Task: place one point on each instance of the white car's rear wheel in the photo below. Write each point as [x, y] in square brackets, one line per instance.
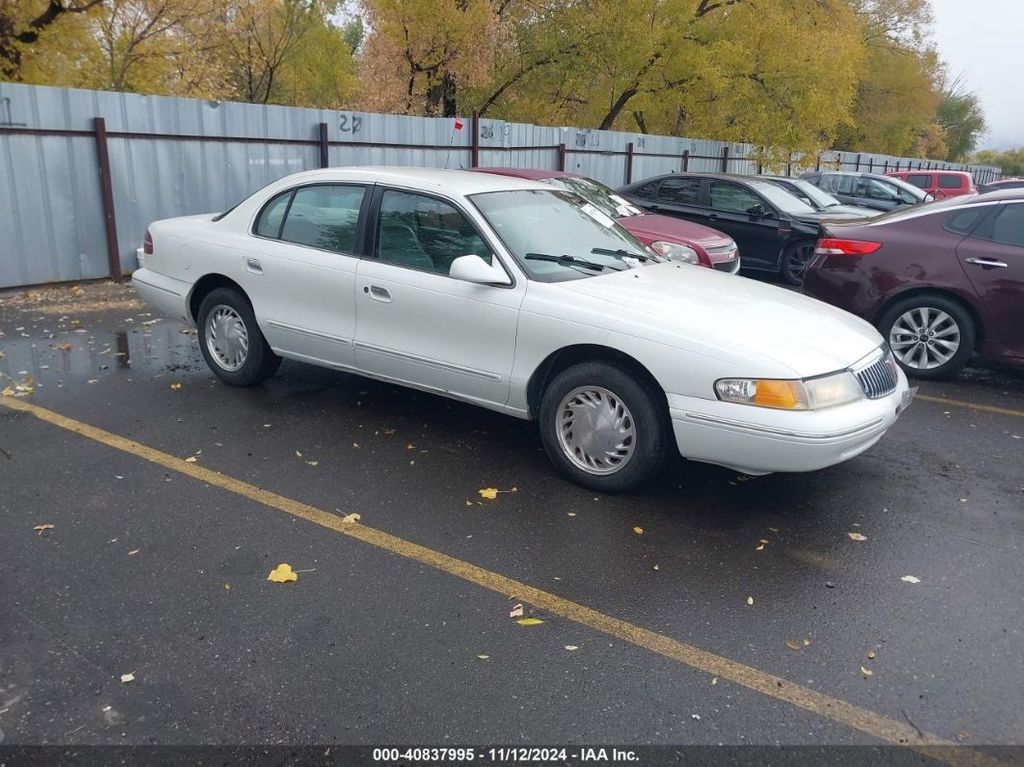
[231, 341]
[603, 428]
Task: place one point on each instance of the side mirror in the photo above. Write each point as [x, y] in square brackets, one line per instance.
[474, 269]
[757, 211]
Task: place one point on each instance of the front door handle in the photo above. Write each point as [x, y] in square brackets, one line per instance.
[988, 263]
[377, 293]
[253, 266]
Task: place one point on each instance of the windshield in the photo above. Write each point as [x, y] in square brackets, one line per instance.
[819, 197]
[558, 235]
[907, 192]
[781, 199]
[597, 194]
[927, 208]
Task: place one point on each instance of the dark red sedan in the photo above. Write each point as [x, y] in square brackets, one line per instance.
[941, 282]
[669, 237]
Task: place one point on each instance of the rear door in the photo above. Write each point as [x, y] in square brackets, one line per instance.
[681, 196]
[993, 258]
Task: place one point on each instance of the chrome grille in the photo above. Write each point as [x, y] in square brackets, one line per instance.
[719, 249]
[878, 378]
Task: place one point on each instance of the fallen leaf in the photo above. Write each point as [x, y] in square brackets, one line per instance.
[516, 612]
[312, 463]
[910, 579]
[529, 621]
[638, 530]
[65, 347]
[227, 587]
[656, 567]
[133, 552]
[298, 454]
[175, 386]
[42, 528]
[93, 380]
[571, 647]
[351, 518]
[871, 655]
[792, 645]
[410, 446]
[483, 657]
[774, 529]
[760, 548]
[857, 537]
[714, 681]
[283, 573]
[387, 432]
[490, 493]
[570, 513]
[191, 459]
[126, 678]
[355, 445]
[750, 600]
[807, 642]
[866, 671]
[695, 717]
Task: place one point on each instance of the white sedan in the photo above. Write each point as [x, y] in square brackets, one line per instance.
[521, 298]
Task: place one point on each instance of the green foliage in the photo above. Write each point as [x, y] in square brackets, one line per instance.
[959, 113]
[1011, 161]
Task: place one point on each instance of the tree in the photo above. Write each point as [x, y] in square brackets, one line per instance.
[960, 115]
[23, 21]
[1011, 161]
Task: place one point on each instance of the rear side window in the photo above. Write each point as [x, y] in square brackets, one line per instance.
[732, 198]
[269, 222]
[647, 191]
[920, 180]
[947, 181]
[964, 221]
[325, 217]
[682, 191]
[1008, 225]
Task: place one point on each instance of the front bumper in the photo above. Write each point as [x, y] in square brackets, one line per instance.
[166, 294]
[757, 440]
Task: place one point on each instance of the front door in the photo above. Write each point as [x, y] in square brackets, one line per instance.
[414, 323]
[758, 237]
[993, 258]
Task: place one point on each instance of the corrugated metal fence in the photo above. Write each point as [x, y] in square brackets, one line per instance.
[83, 172]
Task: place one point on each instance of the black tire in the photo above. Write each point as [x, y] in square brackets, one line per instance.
[652, 433]
[259, 361]
[795, 260]
[959, 316]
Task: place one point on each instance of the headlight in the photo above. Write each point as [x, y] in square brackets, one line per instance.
[673, 251]
[810, 394]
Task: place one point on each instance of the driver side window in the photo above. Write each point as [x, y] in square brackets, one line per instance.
[732, 198]
[423, 232]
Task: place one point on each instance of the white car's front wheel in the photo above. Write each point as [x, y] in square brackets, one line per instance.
[603, 428]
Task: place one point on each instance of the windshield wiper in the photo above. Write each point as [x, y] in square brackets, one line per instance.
[571, 261]
[620, 252]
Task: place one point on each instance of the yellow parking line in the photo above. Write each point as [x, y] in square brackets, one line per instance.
[858, 718]
[971, 405]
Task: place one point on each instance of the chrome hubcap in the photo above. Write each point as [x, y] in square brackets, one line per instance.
[924, 338]
[227, 338]
[596, 430]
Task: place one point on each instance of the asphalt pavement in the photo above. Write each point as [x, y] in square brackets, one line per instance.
[872, 602]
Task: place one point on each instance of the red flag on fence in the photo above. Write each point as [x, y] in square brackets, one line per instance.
[458, 123]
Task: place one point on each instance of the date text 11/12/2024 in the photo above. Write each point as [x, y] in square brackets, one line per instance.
[504, 754]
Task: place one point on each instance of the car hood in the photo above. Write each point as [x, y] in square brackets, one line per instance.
[848, 211]
[651, 227]
[731, 317]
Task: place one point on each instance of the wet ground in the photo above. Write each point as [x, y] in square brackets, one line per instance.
[152, 572]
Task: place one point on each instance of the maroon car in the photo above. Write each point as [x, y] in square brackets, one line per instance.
[941, 282]
[669, 237]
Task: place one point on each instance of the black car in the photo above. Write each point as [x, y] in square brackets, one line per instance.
[774, 230]
[869, 190]
[819, 199]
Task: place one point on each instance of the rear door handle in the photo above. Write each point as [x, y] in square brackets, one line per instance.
[377, 293]
[989, 263]
[253, 266]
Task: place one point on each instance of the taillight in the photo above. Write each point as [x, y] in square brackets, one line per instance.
[833, 247]
[147, 244]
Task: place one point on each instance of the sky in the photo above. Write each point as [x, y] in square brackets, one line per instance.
[982, 40]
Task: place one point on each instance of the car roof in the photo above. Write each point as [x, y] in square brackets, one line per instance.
[452, 181]
[1000, 194]
[528, 173]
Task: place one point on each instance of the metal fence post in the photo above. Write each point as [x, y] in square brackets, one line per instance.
[817, 163]
[725, 159]
[629, 163]
[107, 192]
[686, 160]
[561, 156]
[858, 163]
[325, 160]
[474, 148]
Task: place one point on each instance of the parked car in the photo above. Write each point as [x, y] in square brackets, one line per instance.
[774, 230]
[941, 282]
[678, 240]
[868, 190]
[511, 295]
[998, 186]
[819, 199]
[940, 184]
